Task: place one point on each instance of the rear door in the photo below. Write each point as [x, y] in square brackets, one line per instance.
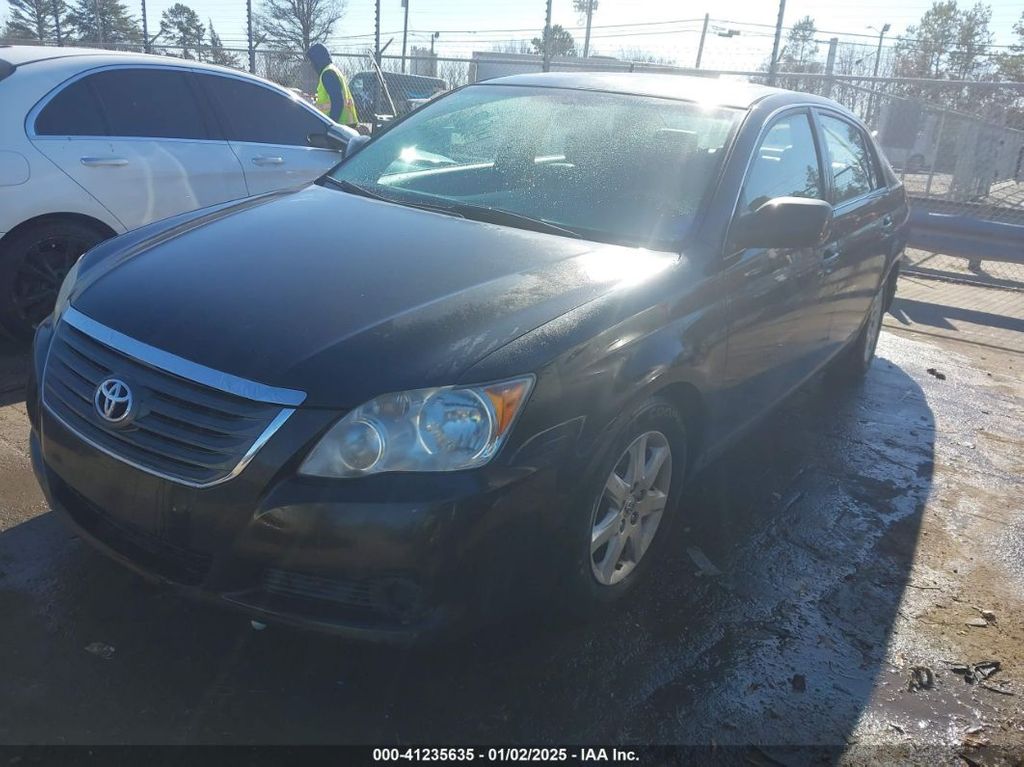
[138, 140]
[854, 258]
[779, 327]
[269, 132]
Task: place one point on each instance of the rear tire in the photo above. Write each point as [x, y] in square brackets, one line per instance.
[33, 263]
[855, 361]
[618, 527]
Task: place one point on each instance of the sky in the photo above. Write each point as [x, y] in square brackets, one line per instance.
[618, 24]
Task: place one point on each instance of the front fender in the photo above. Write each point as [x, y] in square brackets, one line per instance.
[602, 359]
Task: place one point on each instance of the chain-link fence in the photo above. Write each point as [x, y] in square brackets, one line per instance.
[958, 145]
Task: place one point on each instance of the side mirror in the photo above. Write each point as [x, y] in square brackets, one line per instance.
[784, 222]
[355, 144]
[336, 137]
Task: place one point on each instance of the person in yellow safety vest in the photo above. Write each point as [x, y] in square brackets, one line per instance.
[333, 97]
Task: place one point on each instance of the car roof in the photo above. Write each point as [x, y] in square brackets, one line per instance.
[705, 90]
[21, 55]
[18, 55]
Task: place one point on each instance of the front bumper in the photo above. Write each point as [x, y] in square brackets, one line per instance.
[391, 557]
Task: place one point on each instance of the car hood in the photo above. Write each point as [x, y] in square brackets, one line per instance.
[345, 297]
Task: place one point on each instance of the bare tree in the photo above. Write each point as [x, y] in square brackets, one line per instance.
[513, 46]
[297, 24]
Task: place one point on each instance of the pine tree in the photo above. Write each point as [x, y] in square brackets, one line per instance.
[181, 28]
[217, 53]
[104, 23]
[31, 20]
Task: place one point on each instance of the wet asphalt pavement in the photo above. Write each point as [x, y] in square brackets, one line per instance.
[849, 539]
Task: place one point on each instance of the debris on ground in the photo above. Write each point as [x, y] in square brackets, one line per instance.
[704, 565]
[921, 678]
[799, 682]
[936, 374]
[972, 741]
[987, 615]
[974, 673]
[993, 688]
[978, 623]
[102, 649]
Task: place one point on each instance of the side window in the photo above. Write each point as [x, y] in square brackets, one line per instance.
[72, 112]
[853, 169]
[151, 103]
[259, 115]
[784, 165]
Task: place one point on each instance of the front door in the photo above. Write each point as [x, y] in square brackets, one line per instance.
[778, 328]
[270, 133]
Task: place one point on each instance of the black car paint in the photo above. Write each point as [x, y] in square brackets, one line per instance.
[287, 290]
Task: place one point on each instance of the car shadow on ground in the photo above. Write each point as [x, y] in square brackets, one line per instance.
[910, 312]
[767, 624]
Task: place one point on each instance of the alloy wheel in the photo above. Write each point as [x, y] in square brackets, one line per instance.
[42, 270]
[630, 507]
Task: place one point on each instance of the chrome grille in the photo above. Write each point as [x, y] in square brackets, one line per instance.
[184, 430]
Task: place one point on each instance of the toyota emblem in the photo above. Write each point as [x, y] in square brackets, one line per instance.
[113, 400]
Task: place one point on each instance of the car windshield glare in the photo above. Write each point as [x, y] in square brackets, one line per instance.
[612, 167]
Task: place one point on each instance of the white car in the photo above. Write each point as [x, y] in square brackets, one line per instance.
[94, 143]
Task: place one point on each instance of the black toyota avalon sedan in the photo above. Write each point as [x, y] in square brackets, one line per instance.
[479, 359]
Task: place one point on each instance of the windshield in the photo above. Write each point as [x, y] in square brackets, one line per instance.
[604, 166]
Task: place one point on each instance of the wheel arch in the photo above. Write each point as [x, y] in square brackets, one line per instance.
[100, 226]
[686, 398]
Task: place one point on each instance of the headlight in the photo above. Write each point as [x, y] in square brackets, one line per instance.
[442, 429]
[64, 294]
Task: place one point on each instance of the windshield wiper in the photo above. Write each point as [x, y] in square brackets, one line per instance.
[362, 191]
[508, 218]
[348, 186]
[461, 210]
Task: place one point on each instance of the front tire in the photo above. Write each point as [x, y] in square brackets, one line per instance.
[623, 513]
[33, 263]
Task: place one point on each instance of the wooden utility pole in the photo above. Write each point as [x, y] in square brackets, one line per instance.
[376, 33]
[405, 30]
[145, 29]
[586, 39]
[775, 46]
[830, 66]
[703, 34]
[248, 28]
[547, 38]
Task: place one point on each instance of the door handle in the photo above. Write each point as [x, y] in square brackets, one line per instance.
[887, 224]
[103, 162]
[830, 253]
[265, 160]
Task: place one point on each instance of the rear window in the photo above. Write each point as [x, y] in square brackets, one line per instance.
[149, 103]
[72, 112]
[143, 103]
